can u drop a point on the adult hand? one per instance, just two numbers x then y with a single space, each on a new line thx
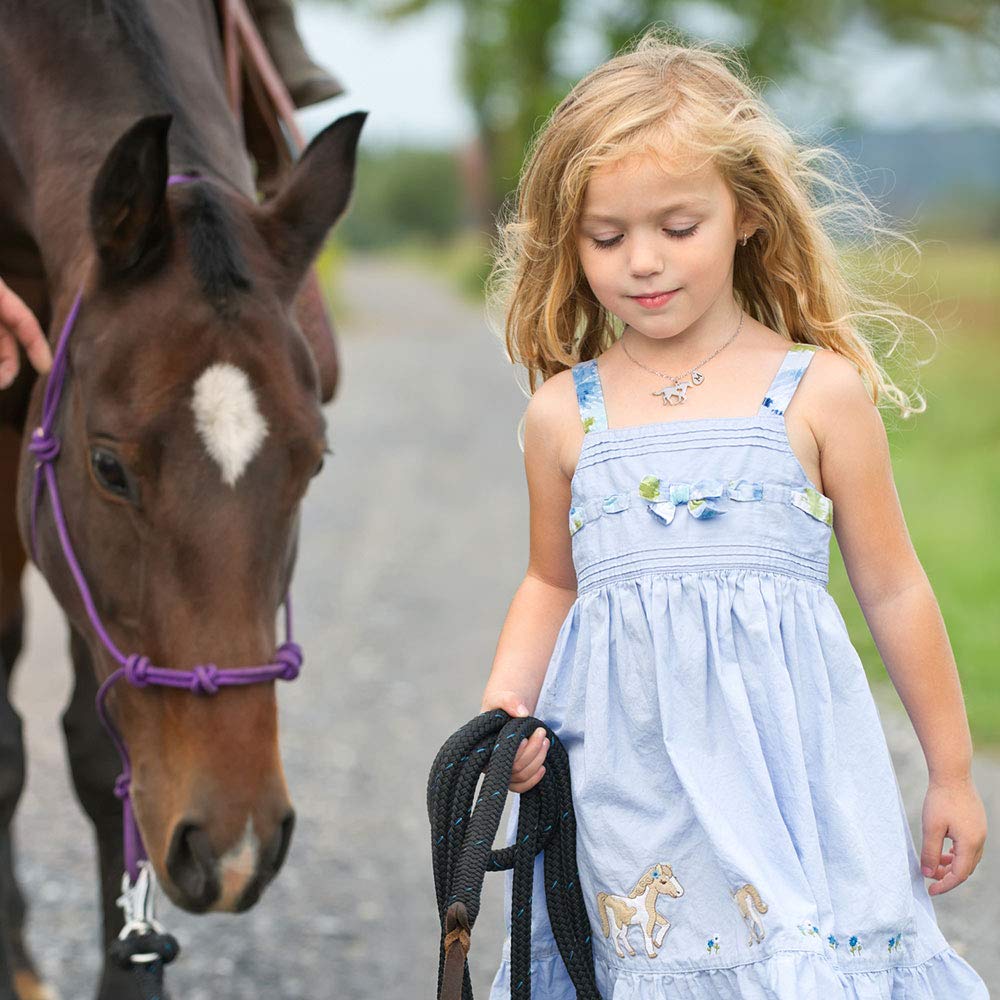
18 325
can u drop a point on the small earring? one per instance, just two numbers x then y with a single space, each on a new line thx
743 242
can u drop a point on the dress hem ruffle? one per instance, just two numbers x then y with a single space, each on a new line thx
783 975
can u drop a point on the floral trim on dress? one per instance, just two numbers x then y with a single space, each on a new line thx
814 503
590 396
703 499
792 368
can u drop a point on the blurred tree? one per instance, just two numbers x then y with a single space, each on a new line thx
513 77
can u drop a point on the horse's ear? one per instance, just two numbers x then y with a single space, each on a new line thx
295 222
128 218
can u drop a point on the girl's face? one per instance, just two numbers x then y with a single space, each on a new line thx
656 244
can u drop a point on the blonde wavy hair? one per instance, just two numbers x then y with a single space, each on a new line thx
803 274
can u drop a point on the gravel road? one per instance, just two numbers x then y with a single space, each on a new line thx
414 539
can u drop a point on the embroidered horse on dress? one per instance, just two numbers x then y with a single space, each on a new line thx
743 896
639 908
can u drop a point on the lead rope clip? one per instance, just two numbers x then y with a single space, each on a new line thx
138 903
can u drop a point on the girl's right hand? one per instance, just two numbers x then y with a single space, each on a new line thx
529 761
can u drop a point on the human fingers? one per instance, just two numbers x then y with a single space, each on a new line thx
934 830
531 752
527 785
528 762
17 321
963 861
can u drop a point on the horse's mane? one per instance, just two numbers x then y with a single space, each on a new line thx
647 880
142 48
216 257
218 264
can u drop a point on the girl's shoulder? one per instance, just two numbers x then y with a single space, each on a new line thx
552 418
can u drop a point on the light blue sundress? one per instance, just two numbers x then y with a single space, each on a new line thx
741 832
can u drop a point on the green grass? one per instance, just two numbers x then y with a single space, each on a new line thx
947 469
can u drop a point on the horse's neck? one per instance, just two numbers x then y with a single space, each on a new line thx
73 80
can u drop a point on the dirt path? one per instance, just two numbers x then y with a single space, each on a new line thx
414 541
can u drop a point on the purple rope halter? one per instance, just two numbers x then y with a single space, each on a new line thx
206 679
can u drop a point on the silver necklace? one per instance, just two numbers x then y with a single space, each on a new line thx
677 391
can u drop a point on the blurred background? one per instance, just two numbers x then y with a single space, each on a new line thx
909 91
415 536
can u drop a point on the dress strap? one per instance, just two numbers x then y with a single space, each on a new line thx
786 379
590 396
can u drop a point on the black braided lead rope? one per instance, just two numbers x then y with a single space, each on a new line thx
462 835
148 974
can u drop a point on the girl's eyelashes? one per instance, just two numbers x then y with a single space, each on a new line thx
677 234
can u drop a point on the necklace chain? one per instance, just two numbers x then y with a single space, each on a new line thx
693 368
677 392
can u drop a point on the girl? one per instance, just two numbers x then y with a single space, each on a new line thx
703 412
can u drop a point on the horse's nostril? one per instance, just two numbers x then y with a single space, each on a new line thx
192 868
274 855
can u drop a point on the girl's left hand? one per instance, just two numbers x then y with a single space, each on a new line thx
954 810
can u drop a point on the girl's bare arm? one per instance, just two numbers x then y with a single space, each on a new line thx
902 614
548 590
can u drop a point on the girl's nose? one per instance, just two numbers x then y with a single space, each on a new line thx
644 259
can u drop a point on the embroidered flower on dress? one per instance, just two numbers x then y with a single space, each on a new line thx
855 944
832 942
894 942
809 928
713 943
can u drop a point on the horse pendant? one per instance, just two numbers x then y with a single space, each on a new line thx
677 393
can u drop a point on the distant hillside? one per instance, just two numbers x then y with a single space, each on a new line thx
945 172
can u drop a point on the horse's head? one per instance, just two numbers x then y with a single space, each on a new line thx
190 428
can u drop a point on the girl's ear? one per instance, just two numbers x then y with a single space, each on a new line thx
295 222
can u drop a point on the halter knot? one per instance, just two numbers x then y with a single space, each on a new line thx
204 679
137 670
43 445
122 783
289 656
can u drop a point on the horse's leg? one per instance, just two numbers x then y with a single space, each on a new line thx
16 966
94 765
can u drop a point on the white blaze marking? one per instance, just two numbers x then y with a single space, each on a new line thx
228 421
236 867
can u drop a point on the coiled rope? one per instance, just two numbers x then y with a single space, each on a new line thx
462 835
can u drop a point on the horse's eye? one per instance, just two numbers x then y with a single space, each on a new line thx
110 473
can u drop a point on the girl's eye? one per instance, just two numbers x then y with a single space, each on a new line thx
677 234
606 244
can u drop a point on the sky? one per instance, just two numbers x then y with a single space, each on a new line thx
406 75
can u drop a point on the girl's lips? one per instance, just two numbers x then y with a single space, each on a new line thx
654 301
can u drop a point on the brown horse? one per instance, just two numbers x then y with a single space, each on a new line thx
190 426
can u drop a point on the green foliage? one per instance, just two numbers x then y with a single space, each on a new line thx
402 195
946 464
511 53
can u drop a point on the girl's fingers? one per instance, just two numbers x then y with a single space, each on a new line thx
530 754
524 786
